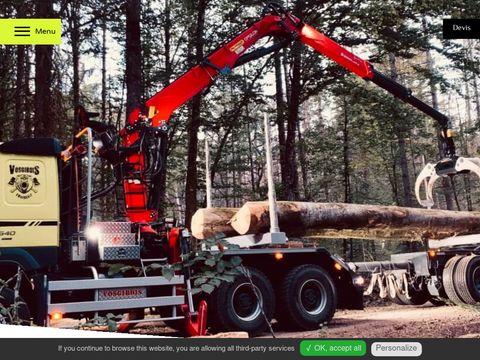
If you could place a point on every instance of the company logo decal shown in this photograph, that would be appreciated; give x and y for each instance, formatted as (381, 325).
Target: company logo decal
(24, 180)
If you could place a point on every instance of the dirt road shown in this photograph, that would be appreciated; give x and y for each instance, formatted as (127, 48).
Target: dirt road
(394, 321)
(376, 321)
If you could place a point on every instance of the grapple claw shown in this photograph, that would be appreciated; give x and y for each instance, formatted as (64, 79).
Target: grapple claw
(427, 178)
(446, 167)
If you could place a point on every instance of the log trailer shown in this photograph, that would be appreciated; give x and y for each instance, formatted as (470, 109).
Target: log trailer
(52, 255)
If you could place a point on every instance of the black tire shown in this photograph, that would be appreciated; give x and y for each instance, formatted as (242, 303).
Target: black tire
(396, 299)
(308, 298)
(234, 306)
(417, 296)
(7, 298)
(448, 280)
(437, 301)
(467, 279)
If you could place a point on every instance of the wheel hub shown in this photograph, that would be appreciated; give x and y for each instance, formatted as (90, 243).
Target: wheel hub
(245, 303)
(312, 297)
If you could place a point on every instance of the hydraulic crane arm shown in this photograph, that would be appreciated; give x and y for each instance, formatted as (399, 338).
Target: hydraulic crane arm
(276, 22)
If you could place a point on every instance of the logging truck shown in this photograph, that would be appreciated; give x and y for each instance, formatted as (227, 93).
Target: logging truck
(54, 258)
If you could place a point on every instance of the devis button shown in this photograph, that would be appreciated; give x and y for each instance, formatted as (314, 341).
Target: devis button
(333, 348)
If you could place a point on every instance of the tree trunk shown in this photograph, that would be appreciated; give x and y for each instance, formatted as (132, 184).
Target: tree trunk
(44, 119)
(194, 122)
(291, 174)
(400, 134)
(206, 223)
(477, 98)
(303, 164)
(133, 56)
(346, 171)
(280, 103)
(104, 68)
(346, 155)
(28, 95)
(74, 29)
(162, 176)
(446, 189)
(337, 220)
(20, 93)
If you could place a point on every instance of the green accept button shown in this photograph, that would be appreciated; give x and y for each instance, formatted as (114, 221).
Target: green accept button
(333, 348)
(30, 31)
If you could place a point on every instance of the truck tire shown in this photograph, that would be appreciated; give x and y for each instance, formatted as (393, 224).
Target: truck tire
(437, 301)
(467, 279)
(235, 306)
(417, 296)
(308, 298)
(7, 298)
(448, 280)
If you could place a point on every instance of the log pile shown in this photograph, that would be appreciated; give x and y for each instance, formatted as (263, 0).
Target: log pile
(338, 220)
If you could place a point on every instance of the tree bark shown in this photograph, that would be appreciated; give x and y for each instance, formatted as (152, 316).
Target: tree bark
(338, 220)
(162, 176)
(28, 95)
(402, 148)
(104, 67)
(133, 56)
(280, 103)
(44, 119)
(302, 157)
(19, 93)
(446, 189)
(291, 174)
(194, 122)
(206, 223)
(74, 29)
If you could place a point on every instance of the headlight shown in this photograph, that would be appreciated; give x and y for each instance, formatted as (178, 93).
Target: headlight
(92, 233)
(359, 280)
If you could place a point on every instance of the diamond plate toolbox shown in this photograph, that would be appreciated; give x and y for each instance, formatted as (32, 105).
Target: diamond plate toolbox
(116, 239)
(128, 252)
(114, 227)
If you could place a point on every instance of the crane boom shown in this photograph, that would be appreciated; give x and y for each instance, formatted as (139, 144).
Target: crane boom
(142, 165)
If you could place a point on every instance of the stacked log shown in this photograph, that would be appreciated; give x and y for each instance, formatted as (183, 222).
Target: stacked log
(206, 223)
(338, 220)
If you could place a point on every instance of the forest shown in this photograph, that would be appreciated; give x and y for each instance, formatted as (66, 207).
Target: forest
(336, 137)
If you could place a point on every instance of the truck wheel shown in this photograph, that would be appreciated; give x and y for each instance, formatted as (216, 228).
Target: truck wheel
(396, 299)
(467, 279)
(238, 307)
(448, 279)
(417, 296)
(7, 298)
(308, 298)
(436, 301)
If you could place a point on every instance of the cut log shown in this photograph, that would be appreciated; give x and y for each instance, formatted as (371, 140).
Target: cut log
(207, 223)
(338, 220)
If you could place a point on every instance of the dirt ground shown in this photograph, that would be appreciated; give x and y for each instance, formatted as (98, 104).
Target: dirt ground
(378, 321)
(397, 321)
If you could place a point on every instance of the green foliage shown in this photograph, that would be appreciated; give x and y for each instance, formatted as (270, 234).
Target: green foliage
(110, 321)
(209, 266)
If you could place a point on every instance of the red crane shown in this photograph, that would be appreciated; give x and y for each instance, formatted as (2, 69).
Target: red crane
(144, 132)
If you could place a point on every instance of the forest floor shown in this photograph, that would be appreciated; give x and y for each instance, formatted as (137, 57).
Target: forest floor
(378, 321)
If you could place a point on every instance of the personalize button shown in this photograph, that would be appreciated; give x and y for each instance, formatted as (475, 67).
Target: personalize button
(396, 349)
(333, 348)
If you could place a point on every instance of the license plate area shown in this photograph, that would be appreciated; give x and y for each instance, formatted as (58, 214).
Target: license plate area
(122, 293)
